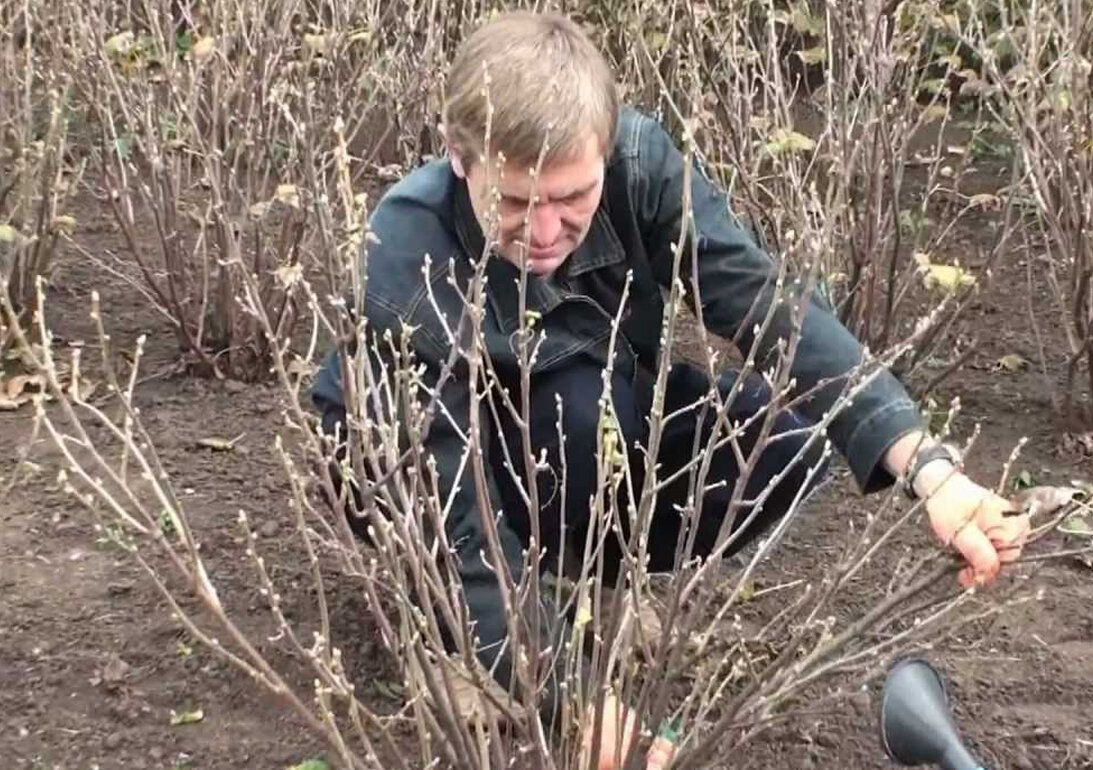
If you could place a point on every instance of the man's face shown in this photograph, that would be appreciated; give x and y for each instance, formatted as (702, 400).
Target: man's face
(542, 220)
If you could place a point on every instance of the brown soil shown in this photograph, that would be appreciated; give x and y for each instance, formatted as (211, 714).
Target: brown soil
(92, 665)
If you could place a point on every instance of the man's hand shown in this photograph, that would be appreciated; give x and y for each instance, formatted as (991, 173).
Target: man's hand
(987, 529)
(617, 736)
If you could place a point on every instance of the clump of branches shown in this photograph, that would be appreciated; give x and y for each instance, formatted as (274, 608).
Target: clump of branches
(721, 683)
(846, 133)
(214, 120)
(38, 173)
(1041, 84)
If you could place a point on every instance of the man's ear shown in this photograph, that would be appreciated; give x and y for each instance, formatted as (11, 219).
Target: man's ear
(457, 165)
(453, 152)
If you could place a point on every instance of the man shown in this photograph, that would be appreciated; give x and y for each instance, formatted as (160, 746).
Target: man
(608, 199)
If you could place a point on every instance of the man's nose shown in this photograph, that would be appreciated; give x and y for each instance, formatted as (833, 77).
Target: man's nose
(546, 226)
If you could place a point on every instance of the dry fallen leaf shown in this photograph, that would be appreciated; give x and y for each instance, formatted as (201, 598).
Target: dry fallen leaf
(64, 223)
(318, 44)
(259, 210)
(986, 202)
(288, 195)
(20, 389)
(204, 47)
(359, 36)
(115, 669)
(220, 444)
(1012, 362)
(17, 385)
(289, 275)
(816, 55)
(1041, 500)
(584, 613)
(24, 388)
(120, 44)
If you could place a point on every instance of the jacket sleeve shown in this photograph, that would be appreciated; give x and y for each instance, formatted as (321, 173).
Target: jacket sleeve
(465, 527)
(736, 282)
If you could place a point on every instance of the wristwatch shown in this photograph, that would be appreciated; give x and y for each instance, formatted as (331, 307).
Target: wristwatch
(921, 458)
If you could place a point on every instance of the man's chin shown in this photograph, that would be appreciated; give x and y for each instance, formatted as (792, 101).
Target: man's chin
(541, 266)
(545, 267)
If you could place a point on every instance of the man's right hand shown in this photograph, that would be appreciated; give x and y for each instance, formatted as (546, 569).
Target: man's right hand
(617, 735)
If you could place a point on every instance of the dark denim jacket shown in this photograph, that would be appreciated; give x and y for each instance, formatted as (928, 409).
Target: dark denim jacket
(635, 229)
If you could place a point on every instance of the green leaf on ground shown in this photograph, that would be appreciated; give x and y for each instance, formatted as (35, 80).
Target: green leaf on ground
(311, 764)
(1077, 524)
(784, 141)
(184, 41)
(186, 717)
(948, 278)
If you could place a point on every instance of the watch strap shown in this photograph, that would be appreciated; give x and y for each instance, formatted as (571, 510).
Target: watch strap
(926, 454)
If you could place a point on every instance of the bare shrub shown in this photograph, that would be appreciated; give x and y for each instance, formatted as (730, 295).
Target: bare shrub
(722, 682)
(833, 128)
(215, 119)
(38, 173)
(1040, 75)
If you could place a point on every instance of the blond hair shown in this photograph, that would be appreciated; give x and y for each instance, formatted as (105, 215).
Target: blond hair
(545, 82)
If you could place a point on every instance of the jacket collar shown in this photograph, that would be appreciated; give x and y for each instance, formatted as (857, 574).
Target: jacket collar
(600, 248)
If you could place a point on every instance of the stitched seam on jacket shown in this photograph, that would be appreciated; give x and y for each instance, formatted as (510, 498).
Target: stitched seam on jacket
(576, 347)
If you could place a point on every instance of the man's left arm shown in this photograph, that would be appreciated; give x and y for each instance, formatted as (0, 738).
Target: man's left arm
(739, 296)
(881, 431)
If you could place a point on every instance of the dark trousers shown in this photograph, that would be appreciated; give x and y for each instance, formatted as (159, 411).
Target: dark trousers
(579, 385)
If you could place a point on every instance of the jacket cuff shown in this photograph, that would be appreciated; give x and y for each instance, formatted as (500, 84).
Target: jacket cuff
(871, 439)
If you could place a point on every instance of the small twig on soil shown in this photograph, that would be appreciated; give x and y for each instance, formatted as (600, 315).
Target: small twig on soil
(1054, 555)
(782, 587)
(945, 373)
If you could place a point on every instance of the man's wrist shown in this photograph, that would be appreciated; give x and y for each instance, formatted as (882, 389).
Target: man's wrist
(932, 476)
(928, 468)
